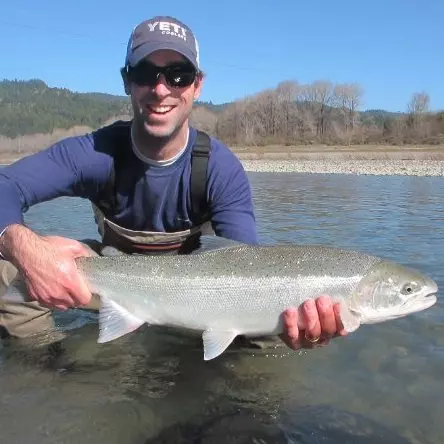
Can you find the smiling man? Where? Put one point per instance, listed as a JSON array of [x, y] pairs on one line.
[[154, 183]]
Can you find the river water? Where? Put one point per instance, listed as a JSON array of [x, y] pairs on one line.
[[381, 384]]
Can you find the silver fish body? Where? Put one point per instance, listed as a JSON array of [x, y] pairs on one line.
[[243, 290], [227, 289]]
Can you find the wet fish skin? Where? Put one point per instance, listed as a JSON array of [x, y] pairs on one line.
[[244, 289], [225, 291]]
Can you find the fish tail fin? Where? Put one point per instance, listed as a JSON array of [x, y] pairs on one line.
[[350, 320], [115, 321], [17, 291]]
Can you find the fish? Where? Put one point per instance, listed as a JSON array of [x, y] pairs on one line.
[[226, 288]]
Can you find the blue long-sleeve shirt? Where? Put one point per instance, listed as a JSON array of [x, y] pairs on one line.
[[153, 198]]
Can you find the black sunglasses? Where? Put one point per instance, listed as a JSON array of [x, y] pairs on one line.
[[177, 75]]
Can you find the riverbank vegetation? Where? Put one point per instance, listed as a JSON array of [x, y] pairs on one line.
[[290, 117]]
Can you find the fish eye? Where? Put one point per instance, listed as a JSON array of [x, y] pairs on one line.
[[409, 288]]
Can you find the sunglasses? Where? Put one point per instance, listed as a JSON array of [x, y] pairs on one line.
[[177, 75]]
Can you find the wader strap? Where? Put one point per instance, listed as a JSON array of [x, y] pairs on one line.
[[198, 181], [110, 203], [119, 139]]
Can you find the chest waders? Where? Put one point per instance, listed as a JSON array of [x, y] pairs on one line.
[[151, 242]]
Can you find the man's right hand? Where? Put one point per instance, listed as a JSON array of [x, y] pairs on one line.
[[48, 265]]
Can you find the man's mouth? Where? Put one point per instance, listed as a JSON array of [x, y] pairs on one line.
[[159, 109]]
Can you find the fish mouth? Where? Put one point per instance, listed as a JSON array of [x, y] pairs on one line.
[[420, 303], [411, 306]]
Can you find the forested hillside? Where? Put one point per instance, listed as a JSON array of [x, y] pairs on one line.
[[32, 115], [32, 107]]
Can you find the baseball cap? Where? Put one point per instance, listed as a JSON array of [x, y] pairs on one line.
[[161, 32]]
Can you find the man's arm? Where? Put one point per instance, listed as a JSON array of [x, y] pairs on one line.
[[48, 266], [229, 194], [68, 168]]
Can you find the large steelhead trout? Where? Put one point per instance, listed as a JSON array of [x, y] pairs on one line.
[[227, 289]]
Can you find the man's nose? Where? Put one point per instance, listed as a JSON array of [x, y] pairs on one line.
[[161, 89]]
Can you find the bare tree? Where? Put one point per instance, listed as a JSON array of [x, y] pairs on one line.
[[203, 119], [286, 95], [419, 103], [418, 108], [320, 97], [348, 98]]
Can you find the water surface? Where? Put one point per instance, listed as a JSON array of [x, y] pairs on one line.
[[383, 383]]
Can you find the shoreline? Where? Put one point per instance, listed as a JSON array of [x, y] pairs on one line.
[[381, 161], [396, 163], [424, 168]]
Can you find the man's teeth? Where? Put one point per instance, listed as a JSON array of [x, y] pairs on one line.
[[160, 109]]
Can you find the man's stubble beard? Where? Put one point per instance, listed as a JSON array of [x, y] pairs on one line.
[[151, 139]]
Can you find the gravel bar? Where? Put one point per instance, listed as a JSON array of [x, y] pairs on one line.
[[368, 167]]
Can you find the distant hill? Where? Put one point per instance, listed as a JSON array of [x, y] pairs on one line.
[[378, 116], [31, 106], [214, 108], [109, 98]]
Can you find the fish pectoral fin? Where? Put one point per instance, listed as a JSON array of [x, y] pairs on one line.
[[351, 320], [115, 321], [216, 342]]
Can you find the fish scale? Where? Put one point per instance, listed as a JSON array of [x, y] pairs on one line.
[[246, 261]]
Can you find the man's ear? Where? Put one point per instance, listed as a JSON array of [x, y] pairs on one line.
[[198, 85], [126, 82]]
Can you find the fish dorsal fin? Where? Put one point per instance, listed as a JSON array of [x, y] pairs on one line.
[[207, 243], [216, 342], [115, 321], [351, 320]]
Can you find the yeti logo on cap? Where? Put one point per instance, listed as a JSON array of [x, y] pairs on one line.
[[169, 28]]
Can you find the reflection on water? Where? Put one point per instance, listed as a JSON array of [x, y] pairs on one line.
[[304, 425], [381, 384]]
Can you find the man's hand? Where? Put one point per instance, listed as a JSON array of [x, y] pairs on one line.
[[321, 320], [48, 265]]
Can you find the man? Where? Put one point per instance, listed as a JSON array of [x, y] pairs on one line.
[[154, 182]]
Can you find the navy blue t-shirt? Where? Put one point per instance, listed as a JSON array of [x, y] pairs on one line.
[[152, 198]]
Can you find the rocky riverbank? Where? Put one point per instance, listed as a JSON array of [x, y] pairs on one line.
[[371, 167], [407, 162]]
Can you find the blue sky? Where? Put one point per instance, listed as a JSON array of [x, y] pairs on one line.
[[392, 48]]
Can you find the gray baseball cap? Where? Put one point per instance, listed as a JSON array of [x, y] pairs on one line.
[[161, 32]]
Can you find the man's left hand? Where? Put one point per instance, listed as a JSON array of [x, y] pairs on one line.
[[322, 321]]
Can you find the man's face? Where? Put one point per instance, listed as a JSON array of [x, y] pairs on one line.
[[162, 110]]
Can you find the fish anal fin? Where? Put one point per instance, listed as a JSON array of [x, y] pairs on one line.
[[349, 318], [115, 321], [216, 342]]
